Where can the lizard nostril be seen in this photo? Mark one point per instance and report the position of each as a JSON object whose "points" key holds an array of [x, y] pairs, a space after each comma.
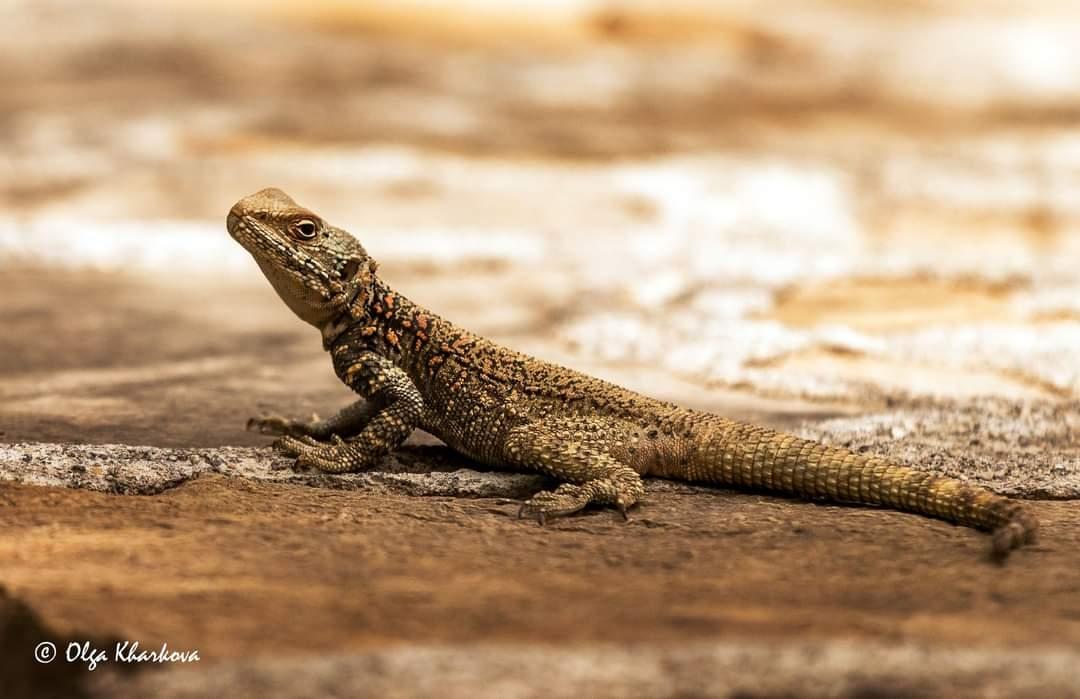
{"points": [[350, 270]]}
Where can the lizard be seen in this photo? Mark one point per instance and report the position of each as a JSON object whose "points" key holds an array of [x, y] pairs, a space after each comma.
{"points": [[413, 369]]}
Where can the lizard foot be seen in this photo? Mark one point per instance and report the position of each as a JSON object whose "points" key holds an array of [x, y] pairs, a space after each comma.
{"points": [[306, 449], [334, 457], [565, 500], [621, 490], [281, 426]]}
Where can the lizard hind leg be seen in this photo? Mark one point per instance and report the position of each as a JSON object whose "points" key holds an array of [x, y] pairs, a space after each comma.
{"points": [[571, 450]]}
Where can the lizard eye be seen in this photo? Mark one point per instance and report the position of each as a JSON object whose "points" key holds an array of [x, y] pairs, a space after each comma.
{"points": [[304, 229]]}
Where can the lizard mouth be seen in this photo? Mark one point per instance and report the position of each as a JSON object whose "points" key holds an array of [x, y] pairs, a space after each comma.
{"points": [[232, 223]]}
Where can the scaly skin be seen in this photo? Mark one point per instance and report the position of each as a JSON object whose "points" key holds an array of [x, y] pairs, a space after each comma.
{"points": [[503, 408]]}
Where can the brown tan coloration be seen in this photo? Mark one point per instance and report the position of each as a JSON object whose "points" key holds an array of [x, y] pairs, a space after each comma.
{"points": [[504, 408]]}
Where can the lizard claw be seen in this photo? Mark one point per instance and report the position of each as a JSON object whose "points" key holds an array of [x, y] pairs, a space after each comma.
{"points": [[268, 424], [284, 446], [541, 518]]}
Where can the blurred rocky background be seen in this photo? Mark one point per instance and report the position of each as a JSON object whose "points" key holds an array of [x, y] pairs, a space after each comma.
{"points": [[860, 220]]}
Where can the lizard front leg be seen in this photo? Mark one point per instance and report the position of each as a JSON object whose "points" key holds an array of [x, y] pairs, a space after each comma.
{"points": [[401, 408], [573, 450], [347, 422]]}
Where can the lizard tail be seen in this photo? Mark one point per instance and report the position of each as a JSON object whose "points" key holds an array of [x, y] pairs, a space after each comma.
{"points": [[757, 457]]}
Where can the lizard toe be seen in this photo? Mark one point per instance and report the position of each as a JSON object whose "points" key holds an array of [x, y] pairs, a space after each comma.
{"points": [[291, 445], [300, 465], [287, 446], [564, 500], [283, 426]]}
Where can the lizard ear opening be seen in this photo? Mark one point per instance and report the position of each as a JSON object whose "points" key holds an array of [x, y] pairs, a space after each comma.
{"points": [[351, 269]]}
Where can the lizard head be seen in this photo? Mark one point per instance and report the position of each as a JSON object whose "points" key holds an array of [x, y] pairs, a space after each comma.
{"points": [[321, 272]]}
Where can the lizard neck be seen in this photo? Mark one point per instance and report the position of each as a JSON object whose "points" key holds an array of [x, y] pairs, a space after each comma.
{"points": [[394, 327]]}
